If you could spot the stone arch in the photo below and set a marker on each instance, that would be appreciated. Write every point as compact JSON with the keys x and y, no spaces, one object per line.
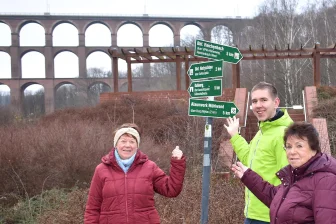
{"x":64,"y":50}
{"x":30,"y":68}
{"x":4,"y":22}
{"x":59,"y":70}
{"x":25,"y":22}
{"x":97,"y":50}
{"x":31,"y":50}
{"x":5,"y":64}
{"x":193,"y":23}
{"x":6,"y":82}
{"x":221,"y":34}
{"x":95,"y":89}
{"x":38,"y":34}
{"x":98,"y":82}
{"x":5,"y":97}
{"x":190,"y":40}
{"x":133,"y":39}
{"x":6,"y":34}
{"x":130,"y":22}
{"x":58,"y":22}
{"x":72,"y":35}
{"x":33,"y":104}
{"x":101,"y":68}
{"x":93,"y":37}
{"x":24,"y":86}
{"x":158,"y":39}
{"x":90,"y":51}
{"x":67,"y":97}
{"x":61,"y":83}
{"x":222,"y":23}
{"x":86,"y":26}
{"x":169,"y":25}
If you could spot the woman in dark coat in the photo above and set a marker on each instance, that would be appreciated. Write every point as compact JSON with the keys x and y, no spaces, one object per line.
{"x":308,"y":190}
{"x":123,"y":185}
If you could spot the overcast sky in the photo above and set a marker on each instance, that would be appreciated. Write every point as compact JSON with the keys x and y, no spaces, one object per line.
{"x":218,"y":8}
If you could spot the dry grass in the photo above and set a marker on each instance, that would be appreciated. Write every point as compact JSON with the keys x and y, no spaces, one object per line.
{"x":46,"y":166}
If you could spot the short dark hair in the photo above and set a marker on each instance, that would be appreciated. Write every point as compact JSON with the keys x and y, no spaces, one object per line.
{"x":304,"y":129}
{"x":265,"y":85}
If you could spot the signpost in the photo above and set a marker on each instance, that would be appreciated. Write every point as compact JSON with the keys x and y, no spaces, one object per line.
{"x":206,"y":108}
{"x":205,"y":70}
{"x":210,"y":108}
{"x":210,"y":50}
{"x":206,"y":88}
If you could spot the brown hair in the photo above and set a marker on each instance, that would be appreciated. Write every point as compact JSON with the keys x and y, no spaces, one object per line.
{"x":264,"y":85}
{"x":304,"y":130}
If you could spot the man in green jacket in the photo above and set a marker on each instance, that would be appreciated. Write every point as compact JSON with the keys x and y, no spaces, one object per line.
{"x":265,"y":154}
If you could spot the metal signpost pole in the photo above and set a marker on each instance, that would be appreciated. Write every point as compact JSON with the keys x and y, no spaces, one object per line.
{"x":210,"y":108}
{"x":206,"y":170}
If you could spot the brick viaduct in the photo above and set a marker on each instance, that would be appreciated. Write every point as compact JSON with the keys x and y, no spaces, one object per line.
{"x":17,"y":84}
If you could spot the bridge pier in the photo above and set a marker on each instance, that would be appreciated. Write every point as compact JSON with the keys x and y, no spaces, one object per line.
{"x":49,"y":98}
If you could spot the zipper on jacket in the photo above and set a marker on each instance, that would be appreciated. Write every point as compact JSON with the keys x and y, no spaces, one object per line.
{"x":248,"y":191}
{"x":126,"y":197}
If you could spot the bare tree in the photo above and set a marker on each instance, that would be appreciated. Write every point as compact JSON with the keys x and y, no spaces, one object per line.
{"x":189,"y":40}
{"x":222,"y":35}
{"x":33,"y":104}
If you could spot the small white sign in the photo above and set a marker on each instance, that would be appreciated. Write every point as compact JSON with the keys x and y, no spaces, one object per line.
{"x":206,"y":160}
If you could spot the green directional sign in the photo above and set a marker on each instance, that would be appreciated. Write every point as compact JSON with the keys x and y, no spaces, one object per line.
{"x":211,"y":50}
{"x":206,"y":88}
{"x":207,"y":108}
{"x":204,"y":70}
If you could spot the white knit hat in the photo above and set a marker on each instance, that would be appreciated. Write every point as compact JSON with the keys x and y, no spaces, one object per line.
{"x":122,"y":131}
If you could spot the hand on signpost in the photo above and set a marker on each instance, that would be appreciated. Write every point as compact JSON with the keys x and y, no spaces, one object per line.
{"x":177,"y":153}
{"x":233,"y":125}
{"x":238,"y":169}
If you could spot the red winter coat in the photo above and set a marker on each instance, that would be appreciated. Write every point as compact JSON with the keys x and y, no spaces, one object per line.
{"x":307,"y":194}
{"x":118,"y":197}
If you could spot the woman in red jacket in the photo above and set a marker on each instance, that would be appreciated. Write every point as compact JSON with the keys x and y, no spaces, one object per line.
{"x":123,"y":185}
{"x":308,"y":190}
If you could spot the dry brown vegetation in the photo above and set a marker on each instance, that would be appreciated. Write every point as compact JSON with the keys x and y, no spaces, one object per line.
{"x":327,"y":109}
{"x":46,"y":166}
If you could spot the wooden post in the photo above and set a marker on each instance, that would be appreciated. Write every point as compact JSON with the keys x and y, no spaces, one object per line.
{"x":129,"y":75}
{"x":115,"y":74}
{"x":186,"y":65}
{"x":178,"y":72}
{"x":316,"y":66}
{"x":236,"y":75}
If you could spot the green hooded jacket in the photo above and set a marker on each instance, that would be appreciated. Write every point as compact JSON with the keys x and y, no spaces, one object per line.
{"x":265,"y":155}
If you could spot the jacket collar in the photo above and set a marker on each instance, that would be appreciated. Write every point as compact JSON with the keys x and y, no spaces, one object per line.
{"x":281,"y":118}
{"x":317,"y":163}
{"x":110,"y":159}
{"x":278,"y":113}
{"x":313,"y":164}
